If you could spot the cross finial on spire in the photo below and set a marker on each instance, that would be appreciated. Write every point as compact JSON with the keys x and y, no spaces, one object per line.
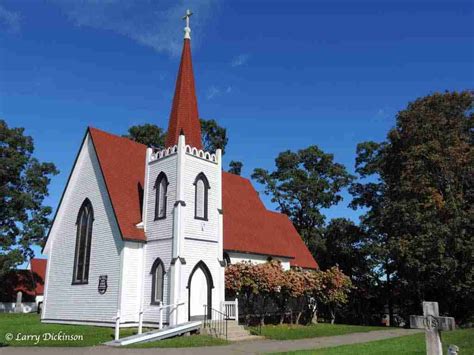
{"x":187,"y":29}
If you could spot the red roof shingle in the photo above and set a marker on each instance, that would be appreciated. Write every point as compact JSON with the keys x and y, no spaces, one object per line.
{"x":250,"y":227}
{"x":122,"y":162}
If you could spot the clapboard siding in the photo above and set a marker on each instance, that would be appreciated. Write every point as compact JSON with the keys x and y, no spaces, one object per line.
{"x":83,"y":302}
{"x":202,"y":237}
{"x":194,"y":227}
{"x":205,"y":251}
{"x":156,"y":249}
{"x":132,"y":277}
{"x":159,"y":235}
{"x":162,"y":228}
{"x":257,"y":259}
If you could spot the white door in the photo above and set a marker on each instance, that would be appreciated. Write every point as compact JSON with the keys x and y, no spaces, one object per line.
{"x":198,"y":295}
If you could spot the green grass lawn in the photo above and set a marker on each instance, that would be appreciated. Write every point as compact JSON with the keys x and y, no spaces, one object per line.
{"x":182,"y":342}
{"x":284,"y":332}
{"x":411,"y":344}
{"x":22,"y":325}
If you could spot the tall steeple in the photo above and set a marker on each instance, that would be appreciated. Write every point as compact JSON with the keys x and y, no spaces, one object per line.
{"x":184,"y":117}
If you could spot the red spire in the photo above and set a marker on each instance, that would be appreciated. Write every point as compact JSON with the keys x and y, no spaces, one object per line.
{"x":184,"y":116}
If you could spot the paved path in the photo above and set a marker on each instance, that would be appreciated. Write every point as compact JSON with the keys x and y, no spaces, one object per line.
{"x":245,"y":347}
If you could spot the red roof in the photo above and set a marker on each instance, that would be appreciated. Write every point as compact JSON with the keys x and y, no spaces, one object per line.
{"x":122,"y":162}
{"x":248,"y":226}
{"x":38,"y":269}
{"x":251,"y":228}
{"x":184,"y":115}
{"x":14,"y":281}
{"x":29,"y":282}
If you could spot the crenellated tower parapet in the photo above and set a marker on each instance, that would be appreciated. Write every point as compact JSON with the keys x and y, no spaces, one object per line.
{"x":158,"y":154}
{"x":202,"y":154}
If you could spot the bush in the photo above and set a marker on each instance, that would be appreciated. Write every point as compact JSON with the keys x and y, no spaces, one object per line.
{"x":266,"y":291}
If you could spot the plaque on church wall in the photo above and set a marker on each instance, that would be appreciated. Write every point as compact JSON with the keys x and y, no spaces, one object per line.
{"x":102,"y":284}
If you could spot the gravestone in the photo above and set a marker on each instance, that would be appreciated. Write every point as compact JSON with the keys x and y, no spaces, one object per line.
{"x":18,"y":308}
{"x":433,"y":324}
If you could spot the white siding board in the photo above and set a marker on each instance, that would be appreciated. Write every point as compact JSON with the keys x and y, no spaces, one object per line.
{"x":83,"y":302}
{"x":196,"y":228}
{"x":205,"y":251}
{"x":156,"y":249}
{"x":257,"y":259}
{"x":132,"y":277}
{"x":162,"y":228}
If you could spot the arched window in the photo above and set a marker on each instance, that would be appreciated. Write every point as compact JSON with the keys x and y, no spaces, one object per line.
{"x":201,"y":197}
{"x":158,"y":281}
{"x":85,"y":218}
{"x":161,"y":187}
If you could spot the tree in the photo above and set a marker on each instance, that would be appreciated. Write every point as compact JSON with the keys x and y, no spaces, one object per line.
{"x":303,"y":183}
{"x":24,"y":185}
{"x":235,"y":167}
{"x":148,"y":134}
{"x":300,"y":286}
{"x":213,"y":136}
{"x":418,"y":188}
{"x":335,"y":288}
{"x":267,"y":284}
{"x":349,"y":247}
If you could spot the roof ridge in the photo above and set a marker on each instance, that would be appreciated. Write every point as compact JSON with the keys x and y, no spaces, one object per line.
{"x":90,"y":128}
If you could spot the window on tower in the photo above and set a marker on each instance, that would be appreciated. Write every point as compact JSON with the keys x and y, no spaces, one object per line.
{"x":201,"y":197}
{"x":158,"y":281}
{"x":85,"y":218}
{"x":161,"y":190}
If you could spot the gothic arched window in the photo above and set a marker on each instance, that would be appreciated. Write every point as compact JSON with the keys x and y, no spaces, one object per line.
{"x":201,"y":197}
{"x":161,"y":187}
{"x":158,"y":281}
{"x":85,"y":218}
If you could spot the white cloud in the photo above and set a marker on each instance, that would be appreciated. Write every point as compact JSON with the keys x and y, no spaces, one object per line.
{"x":10,"y":20}
{"x":239,"y":60}
{"x":212,"y":92}
{"x":156,"y":24}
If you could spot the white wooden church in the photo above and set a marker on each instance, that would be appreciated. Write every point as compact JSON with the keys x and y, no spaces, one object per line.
{"x":138,"y":229}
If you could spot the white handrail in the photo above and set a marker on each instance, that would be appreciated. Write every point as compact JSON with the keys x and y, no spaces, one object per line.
{"x":140,"y":317}
{"x":231,"y":309}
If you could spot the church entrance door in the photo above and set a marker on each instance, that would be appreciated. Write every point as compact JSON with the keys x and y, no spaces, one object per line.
{"x":200,"y":287}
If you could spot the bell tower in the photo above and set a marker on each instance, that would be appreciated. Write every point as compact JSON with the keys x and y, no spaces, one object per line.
{"x":183,"y":220}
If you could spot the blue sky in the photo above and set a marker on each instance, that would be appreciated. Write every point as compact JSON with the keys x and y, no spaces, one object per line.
{"x":277,"y":74}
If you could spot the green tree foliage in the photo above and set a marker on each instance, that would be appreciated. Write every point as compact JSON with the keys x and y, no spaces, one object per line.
{"x":343,"y":243}
{"x":303,"y":183}
{"x":418,"y":188}
{"x":23,"y":186}
{"x":148,"y":134}
{"x":235,"y":167}
{"x":213,"y":136}
{"x":348,"y":246}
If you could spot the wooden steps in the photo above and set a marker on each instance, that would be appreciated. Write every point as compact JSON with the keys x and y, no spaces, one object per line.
{"x":235,"y":332}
